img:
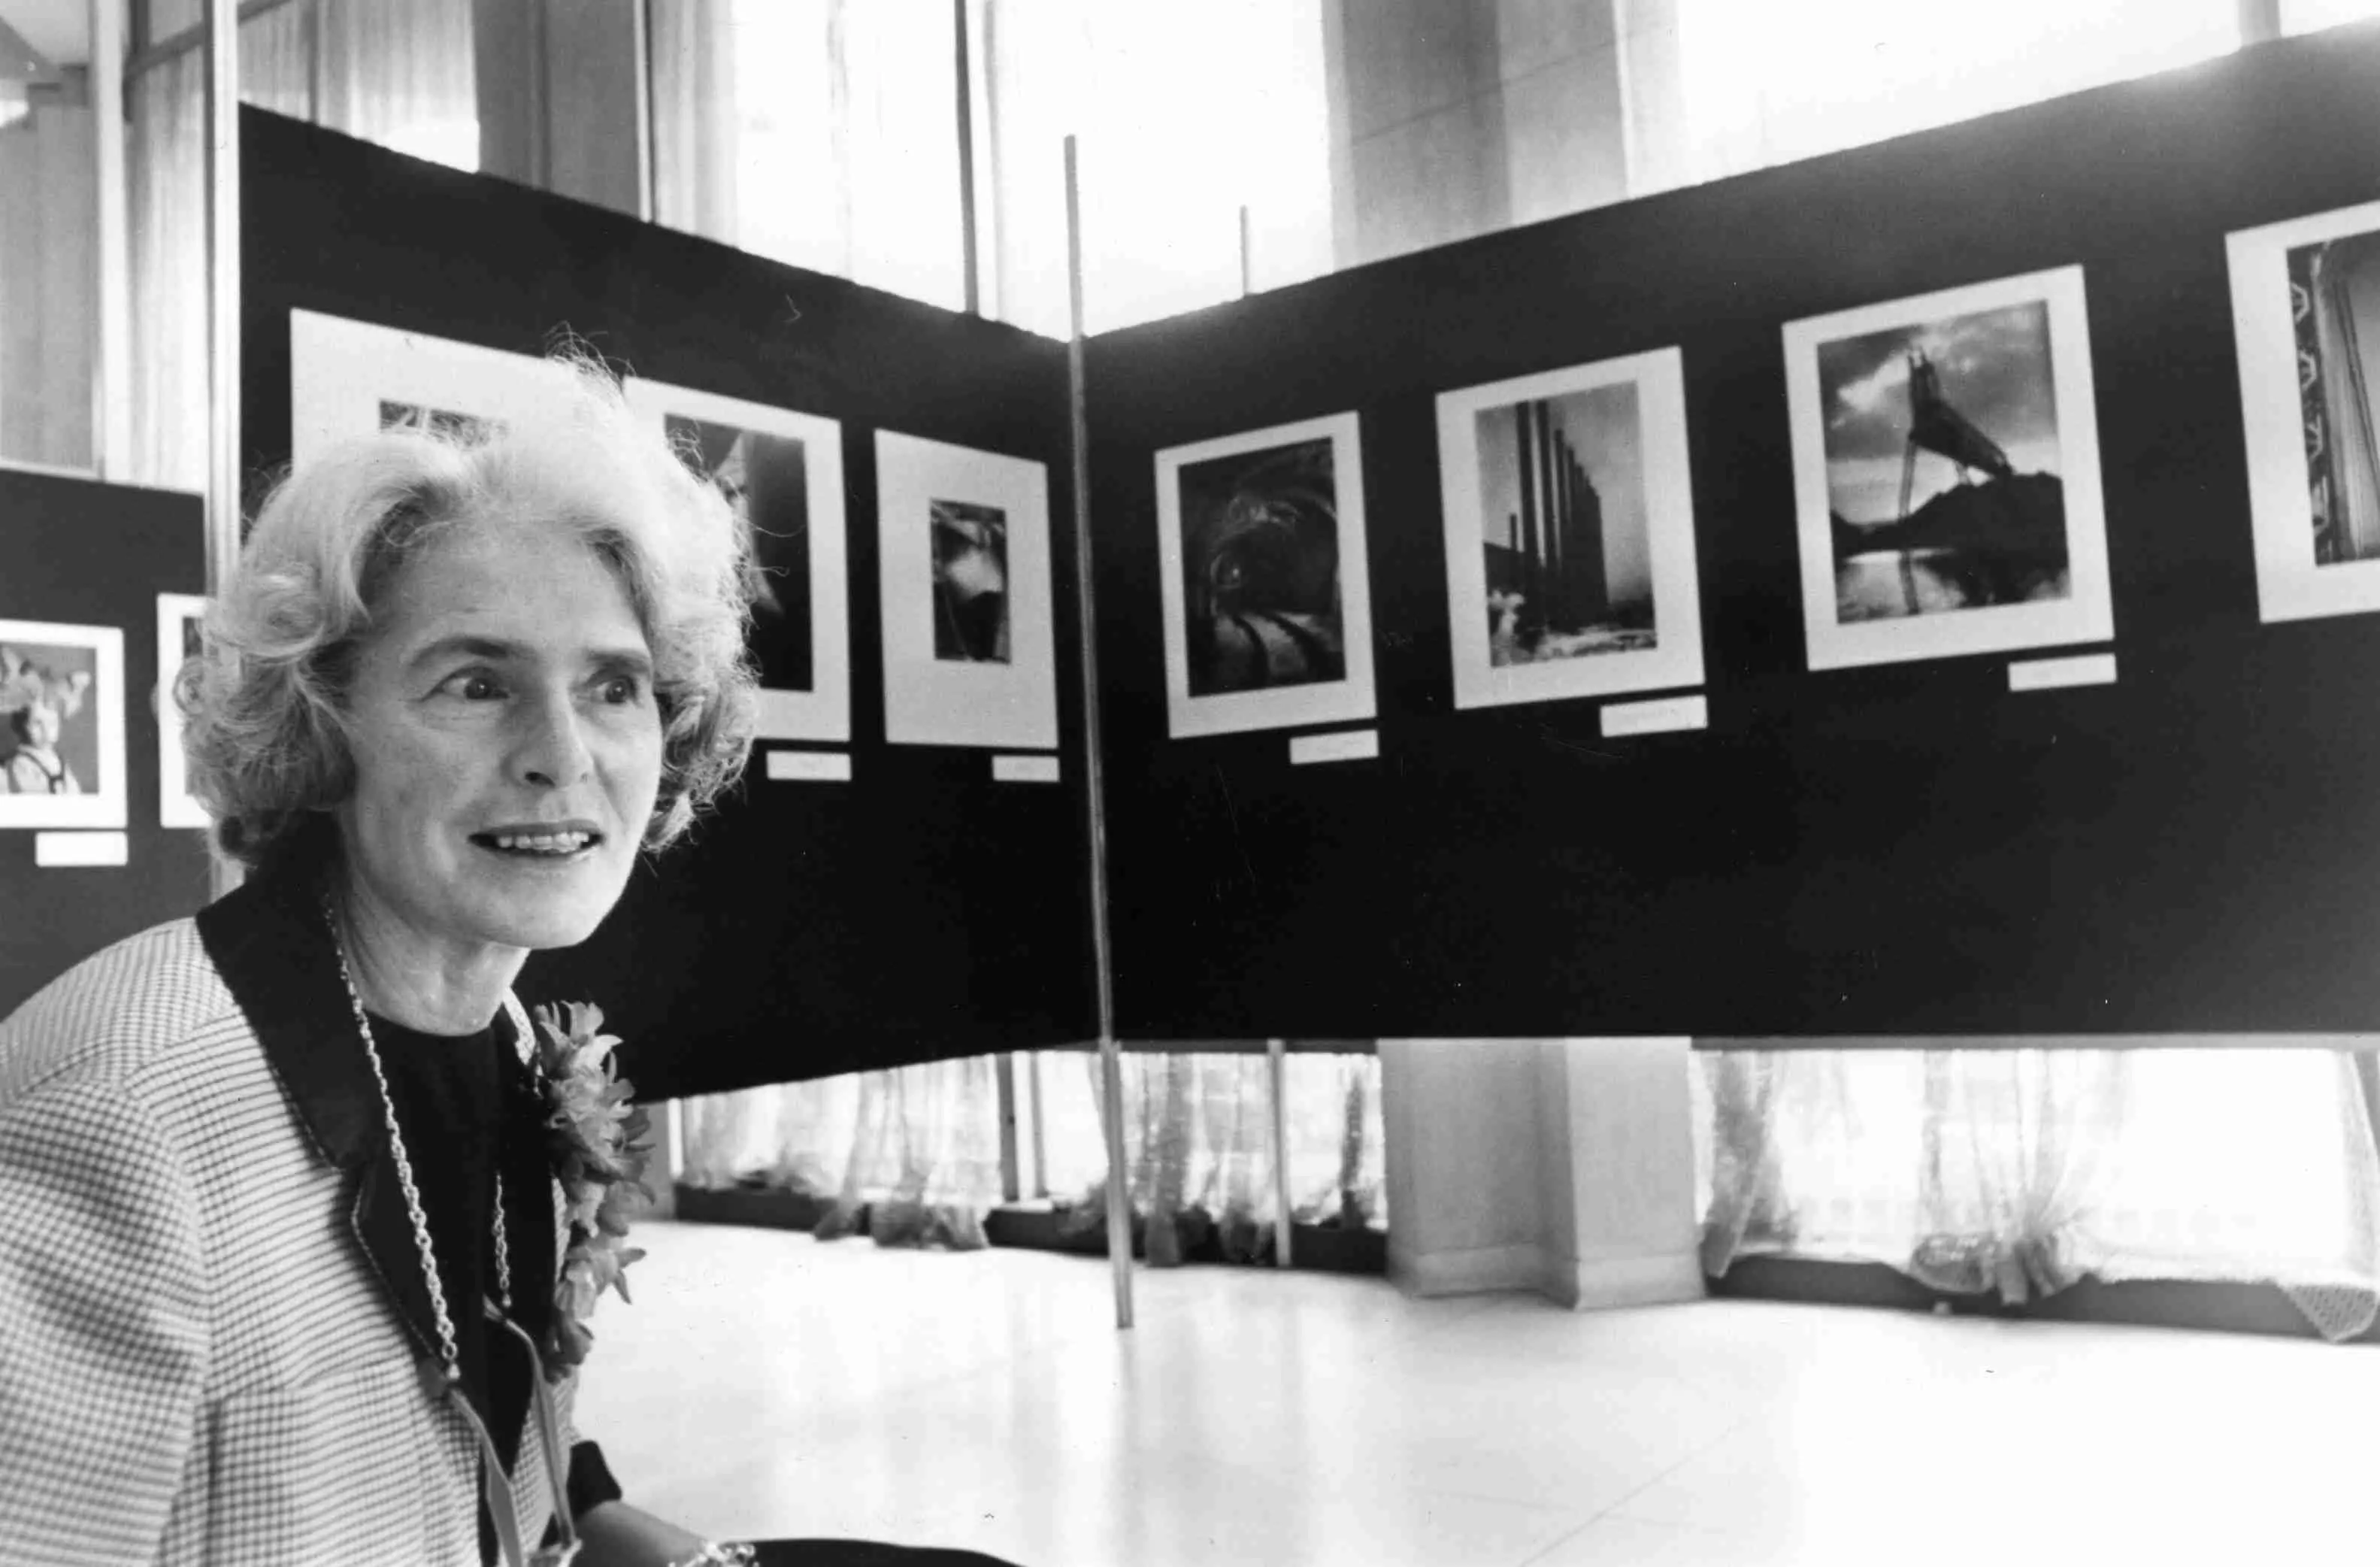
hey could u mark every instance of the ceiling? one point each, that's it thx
(58, 30)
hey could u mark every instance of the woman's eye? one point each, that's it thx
(623, 689)
(474, 688)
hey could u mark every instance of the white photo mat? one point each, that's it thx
(95, 728)
(175, 804)
(2290, 585)
(931, 700)
(2085, 614)
(1676, 658)
(341, 371)
(1347, 700)
(822, 712)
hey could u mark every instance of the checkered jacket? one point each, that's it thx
(210, 1308)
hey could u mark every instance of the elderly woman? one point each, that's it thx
(302, 1211)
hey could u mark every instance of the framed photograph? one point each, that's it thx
(782, 474)
(61, 761)
(347, 378)
(2305, 305)
(181, 619)
(1268, 603)
(1946, 474)
(964, 571)
(1570, 533)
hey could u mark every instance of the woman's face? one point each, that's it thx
(507, 745)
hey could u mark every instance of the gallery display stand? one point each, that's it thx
(1564, 1166)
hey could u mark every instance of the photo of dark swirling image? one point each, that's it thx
(765, 480)
(1260, 570)
(970, 582)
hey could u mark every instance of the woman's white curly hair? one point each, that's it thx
(264, 703)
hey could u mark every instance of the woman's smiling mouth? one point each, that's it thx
(550, 841)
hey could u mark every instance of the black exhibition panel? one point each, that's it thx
(1906, 849)
(85, 553)
(918, 912)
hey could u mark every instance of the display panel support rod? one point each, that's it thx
(223, 318)
(1277, 1056)
(1094, 780)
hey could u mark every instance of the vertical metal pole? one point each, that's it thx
(1277, 1056)
(1094, 780)
(1247, 259)
(644, 22)
(2260, 21)
(967, 241)
(111, 389)
(222, 318)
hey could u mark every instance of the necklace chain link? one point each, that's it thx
(447, 1354)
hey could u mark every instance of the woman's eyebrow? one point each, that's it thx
(632, 661)
(466, 645)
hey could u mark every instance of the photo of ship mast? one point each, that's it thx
(1943, 466)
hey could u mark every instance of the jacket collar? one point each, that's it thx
(271, 945)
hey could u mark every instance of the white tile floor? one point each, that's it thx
(765, 1385)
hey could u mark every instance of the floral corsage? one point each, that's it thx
(595, 1139)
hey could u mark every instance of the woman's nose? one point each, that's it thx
(553, 752)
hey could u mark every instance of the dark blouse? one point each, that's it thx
(457, 1097)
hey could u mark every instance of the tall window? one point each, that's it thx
(825, 133)
(2312, 15)
(1184, 115)
(1764, 83)
(399, 72)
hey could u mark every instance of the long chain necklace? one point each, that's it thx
(447, 1354)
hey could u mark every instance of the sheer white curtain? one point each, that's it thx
(1198, 1151)
(2021, 1171)
(924, 1166)
(919, 1147)
(915, 1150)
(400, 73)
(1723, 87)
(823, 133)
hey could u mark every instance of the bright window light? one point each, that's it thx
(847, 141)
(1184, 114)
(2312, 15)
(1766, 83)
(454, 142)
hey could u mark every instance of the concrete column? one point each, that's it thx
(1564, 1166)
(1629, 1235)
(560, 87)
(49, 276)
(1455, 118)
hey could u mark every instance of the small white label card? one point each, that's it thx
(2083, 669)
(1025, 770)
(1657, 717)
(57, 849)
(1341, 744)
(810, 767)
